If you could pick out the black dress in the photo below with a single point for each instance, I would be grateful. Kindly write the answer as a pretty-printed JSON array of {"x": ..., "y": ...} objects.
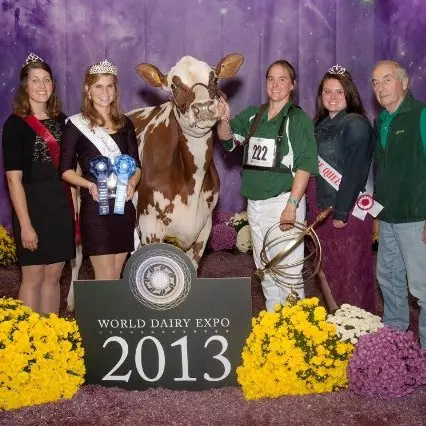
[
  {"x": 49, "y": 205},
  {"x": 112, "y": 233}
]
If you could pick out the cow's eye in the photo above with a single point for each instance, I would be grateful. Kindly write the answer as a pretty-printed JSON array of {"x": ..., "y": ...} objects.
[{"x": 173, "y": 86}]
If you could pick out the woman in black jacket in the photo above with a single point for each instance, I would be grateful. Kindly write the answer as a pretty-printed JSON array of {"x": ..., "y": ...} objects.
[{"x": 345, "y": 148}]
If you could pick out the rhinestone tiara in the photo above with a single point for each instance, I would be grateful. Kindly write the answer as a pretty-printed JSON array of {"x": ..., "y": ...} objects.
[
  {"x": 336, "y": 69},
  {"x": 32, "y": 57},
  {"x": 104, "y": 67}
]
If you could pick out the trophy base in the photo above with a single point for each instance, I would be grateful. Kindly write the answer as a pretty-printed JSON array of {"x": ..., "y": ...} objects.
[{"x": 292, "y": 298}]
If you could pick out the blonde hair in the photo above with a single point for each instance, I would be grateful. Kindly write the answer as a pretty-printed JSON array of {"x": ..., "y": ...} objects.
[{"x": 89, "y": 111}]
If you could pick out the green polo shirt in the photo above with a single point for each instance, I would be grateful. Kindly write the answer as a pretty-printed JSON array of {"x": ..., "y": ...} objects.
[
  {"x": 386, "y": 120},
  {"x": 263, "y": 184}
]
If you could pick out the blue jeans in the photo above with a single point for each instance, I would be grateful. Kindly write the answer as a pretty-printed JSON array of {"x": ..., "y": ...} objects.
[{"x": 401, "y": 260}]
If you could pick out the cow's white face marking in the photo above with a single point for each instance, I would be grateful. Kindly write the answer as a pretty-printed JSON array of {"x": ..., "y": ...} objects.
[{"x": 203, "y": 111}]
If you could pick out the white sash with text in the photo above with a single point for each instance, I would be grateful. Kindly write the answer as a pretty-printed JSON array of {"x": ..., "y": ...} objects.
[
  {"x": 104, "y": 143},
  {"x": 365, "y": 202}
]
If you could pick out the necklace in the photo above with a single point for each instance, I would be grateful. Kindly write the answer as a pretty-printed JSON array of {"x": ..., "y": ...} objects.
[
  {"x": 108, "y": 126},
  {"x": 42, "y": 116}
]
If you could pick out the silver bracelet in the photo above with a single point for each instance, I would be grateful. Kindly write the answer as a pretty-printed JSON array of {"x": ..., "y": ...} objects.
[{"x": 293, "y": 202}]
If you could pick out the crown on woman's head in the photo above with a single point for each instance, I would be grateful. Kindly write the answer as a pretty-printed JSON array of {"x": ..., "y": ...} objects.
[
  {"x": 32, "y": 57},
  {"x": 336, "y": 69},
  {"x": 104, "y": 67}
]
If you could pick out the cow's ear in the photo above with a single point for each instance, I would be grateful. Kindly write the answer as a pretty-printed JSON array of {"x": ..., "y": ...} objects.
[
  {"x": 229, "y": 65},
  {"x": 151, "y": 74}
]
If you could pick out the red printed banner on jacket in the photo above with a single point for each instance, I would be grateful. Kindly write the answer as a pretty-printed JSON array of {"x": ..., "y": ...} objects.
[{"x": 365, "y": 202}]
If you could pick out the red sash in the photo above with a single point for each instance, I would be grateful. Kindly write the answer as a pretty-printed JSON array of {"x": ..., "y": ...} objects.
[
  {"x": 54, "y": 149},
  {"x": 44, "y": 133}
]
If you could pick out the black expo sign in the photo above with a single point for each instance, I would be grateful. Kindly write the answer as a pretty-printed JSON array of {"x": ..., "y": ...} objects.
[{"x": 161, "y": 325}]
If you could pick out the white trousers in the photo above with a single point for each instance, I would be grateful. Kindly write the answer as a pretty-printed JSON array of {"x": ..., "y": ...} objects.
[{"x": 262, "y": 214}]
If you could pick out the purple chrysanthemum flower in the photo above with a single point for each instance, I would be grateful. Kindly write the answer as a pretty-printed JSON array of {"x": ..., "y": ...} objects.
[
  {"x": 222, "y": 237},
  {"x": 387, "y": 363},
  {"x": 221, "y": 216}
]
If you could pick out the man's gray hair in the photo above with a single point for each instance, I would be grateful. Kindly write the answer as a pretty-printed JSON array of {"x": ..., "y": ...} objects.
[{"x": 400, "y": 70}]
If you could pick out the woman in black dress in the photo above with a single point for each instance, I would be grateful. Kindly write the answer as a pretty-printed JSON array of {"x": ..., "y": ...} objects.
[
  {"x": 42, "y": 209},
  {"x": 101, "y": 129}
]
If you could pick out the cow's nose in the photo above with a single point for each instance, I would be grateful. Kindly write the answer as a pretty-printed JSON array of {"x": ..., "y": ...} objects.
[{"x": 200, "y": 107}]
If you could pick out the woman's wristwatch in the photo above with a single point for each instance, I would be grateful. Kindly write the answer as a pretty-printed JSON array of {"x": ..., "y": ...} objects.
[{"x": 293, "y": 202}]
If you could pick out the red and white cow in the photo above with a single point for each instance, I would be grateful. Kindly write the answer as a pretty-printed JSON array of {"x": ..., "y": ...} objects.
[{"x": 179, "y": 185}]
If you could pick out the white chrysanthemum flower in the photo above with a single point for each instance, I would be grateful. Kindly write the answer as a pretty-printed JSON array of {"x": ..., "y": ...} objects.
[
  {"x": 238, "y": 218},
  {"x": 353, "y": 322},
  {"x": 244, "y": 239}
]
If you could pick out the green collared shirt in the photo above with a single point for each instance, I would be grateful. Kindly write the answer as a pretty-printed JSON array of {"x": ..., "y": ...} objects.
[
  {"x": 263, "y": 184},
  {"x": 386, "y": 120}
]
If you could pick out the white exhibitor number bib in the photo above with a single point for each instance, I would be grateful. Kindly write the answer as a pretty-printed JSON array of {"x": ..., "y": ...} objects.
[{"x": 261, "y": 152}]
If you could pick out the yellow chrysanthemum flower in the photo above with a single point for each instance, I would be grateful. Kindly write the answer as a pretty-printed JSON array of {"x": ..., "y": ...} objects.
[
  {"x": 293, "y": 350},
  {"x": 7, "y": 248},
  {"x": 41, "y": 358}
]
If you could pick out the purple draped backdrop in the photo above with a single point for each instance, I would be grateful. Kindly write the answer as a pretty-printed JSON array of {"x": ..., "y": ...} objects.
[{"x": 312, "y": 34}]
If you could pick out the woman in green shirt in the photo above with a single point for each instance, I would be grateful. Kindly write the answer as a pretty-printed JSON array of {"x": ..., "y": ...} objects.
[{"x": 279, "y": 156}]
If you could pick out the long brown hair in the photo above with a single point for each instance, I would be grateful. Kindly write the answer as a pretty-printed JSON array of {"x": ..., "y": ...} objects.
[
  {"x": 352, "y": 96},
  {"x": 286, "y": 65},
  {"x": 88, "y": 110},
  {"x": 21, "y": 103}
]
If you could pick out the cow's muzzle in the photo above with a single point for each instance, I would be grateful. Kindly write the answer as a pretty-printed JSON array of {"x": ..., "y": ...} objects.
[
  {"x": 198, "y": 107},
  {"x": 203, "y": 110}
]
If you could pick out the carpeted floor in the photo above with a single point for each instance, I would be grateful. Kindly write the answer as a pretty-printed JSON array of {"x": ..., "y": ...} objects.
[{"x": 96, "y": 405}]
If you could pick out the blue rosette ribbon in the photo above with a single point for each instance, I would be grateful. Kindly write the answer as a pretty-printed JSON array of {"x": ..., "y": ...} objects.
[
  {"x": 124, "y": 168},
  {"x": 101, "y": 168}
]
